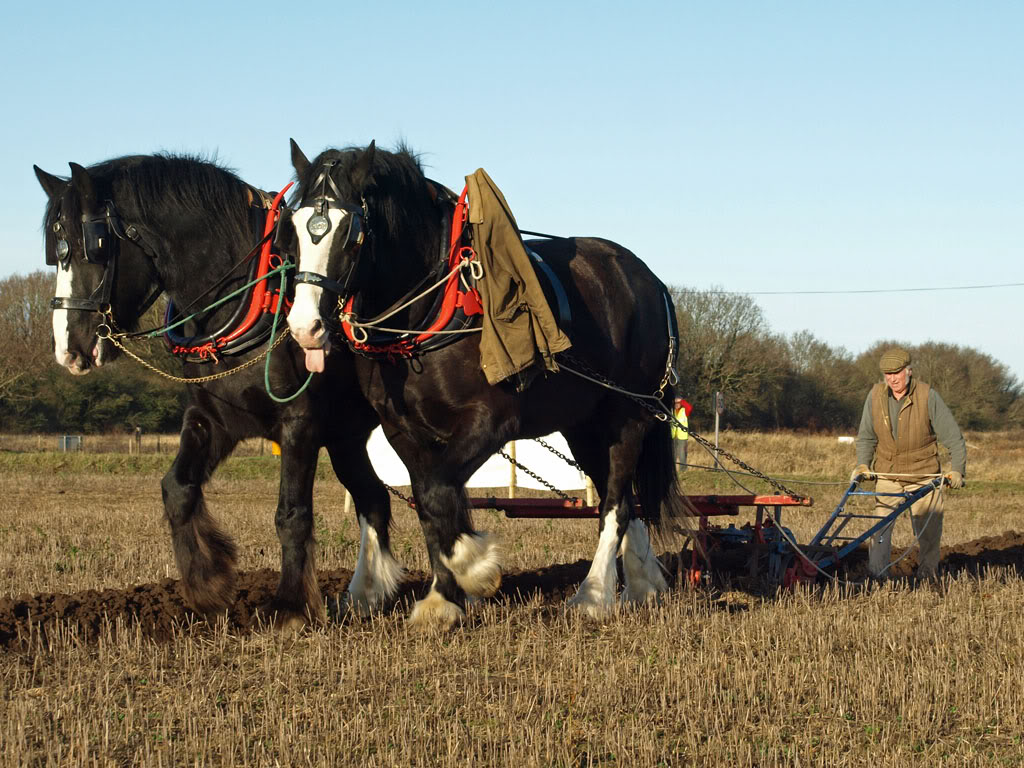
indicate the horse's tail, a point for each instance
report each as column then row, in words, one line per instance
column 661, row 498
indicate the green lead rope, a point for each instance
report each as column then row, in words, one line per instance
column 273, row 335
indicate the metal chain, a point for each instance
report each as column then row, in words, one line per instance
column 560, row 455
column 199, row 379
column 407, row 499
column 539, row 479
column 665, row 415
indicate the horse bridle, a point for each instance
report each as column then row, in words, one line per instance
column 101, row 236
column 355, row 222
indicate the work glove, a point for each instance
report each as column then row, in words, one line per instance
column 956, row 480
column 860, row 470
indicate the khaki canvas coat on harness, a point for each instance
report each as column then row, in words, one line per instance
column 519, row 328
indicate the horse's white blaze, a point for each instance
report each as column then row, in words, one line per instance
column 61, row 336
column 377, row 575
column 435, row 611
column 305, row 312
column 596, row 595
column 476, row 563
column 644, row 574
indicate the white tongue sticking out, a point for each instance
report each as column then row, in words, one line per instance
column 315, row 360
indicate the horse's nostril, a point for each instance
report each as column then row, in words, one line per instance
column 316, row 327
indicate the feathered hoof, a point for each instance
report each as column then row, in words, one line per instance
column 591, row 602
column 434, row 613
column 287, row 621
column 632, row 595
column 211, row 595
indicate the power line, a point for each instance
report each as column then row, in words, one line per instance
column 862, row 290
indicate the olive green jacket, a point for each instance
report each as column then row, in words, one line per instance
column 519, row 328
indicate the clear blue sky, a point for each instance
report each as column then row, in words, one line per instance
column 754, row 146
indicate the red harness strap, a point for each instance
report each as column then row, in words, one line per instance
column 263, row 299
column 455, row 296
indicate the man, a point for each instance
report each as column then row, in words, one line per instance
column 902, row 419
column 680, row 437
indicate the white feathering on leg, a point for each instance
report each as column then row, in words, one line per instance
column 377, row 576
column 596, row 595
column 644, row 573
column 476, row 563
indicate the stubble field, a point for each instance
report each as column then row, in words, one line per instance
column 102, row 664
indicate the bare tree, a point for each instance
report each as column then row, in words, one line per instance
column 25, row 327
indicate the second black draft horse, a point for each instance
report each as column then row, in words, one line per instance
column 123, row 231
column 438, row 410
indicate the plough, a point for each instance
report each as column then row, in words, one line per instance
column 770, row 550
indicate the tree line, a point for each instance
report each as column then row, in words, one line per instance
column 770, row 381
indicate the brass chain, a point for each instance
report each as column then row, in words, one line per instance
column 181, row 379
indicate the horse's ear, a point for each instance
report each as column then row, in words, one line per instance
column 299, row 160
column 52, row 185
column 82, row 182
column 362, row 169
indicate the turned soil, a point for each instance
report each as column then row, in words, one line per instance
column 159, row 608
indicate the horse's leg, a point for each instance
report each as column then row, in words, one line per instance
column 298, row 599
column 643, row 572
column 378, row 575
column 205, row 555
column 450, row 540
column 655, row 481
column 596, row 594
column 464, row 561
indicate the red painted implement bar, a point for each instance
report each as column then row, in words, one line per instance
column 707, row 506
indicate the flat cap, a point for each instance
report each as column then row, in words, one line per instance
column 894, row 360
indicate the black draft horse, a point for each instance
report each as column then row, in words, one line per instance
column 121, row 232
column 438, row 410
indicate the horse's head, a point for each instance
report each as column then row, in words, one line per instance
column 363, row 220
column 102, row 274
column 330, row 225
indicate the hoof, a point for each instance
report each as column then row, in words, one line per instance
column 287, row 621
column 475, row 563
column 592, row 602
column 211, row 596
column 434, row 612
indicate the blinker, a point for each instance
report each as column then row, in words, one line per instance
column 96, row 232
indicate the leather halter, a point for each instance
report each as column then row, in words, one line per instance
column 101, row 236
column 355, row 223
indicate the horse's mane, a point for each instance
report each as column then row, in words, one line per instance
column 396, row 190
column 167, row 187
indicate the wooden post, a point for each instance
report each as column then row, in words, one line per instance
column 512, row 470
column 590, row 492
